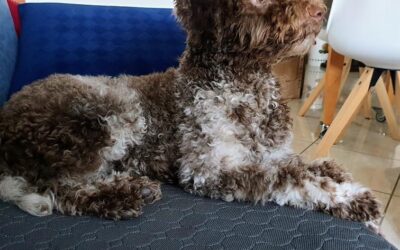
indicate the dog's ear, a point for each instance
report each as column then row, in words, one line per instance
column 257, row 6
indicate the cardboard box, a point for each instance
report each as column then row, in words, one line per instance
column 290, row 74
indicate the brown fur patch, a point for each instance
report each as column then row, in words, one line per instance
column 363, row 208
column 52, row 128
column 330, row 169
column 119, row 198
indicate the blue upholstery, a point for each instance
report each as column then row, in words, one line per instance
column 8, row 49
column 95, row 40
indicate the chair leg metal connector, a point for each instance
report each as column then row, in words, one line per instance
column 323, row 128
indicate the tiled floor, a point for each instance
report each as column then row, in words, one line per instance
column 368, row 153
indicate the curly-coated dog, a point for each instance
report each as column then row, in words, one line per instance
column 216, row 125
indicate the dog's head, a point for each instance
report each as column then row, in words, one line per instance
column 278, row 28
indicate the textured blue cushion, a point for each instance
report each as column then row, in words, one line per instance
column 8, row 49
column 95, row 40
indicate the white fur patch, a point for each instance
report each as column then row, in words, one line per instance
column 224, row 141
column 126, row 128
column 96, row 83
column 12, row 188
column 16, row 190
column 346, row 192
column 316, row 194
column 278, row 153
column 290, row 195
column 35, row 204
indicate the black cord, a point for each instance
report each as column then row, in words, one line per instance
column 312, row 144
column 324, row 129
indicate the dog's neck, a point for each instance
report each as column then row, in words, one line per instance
column 222, row 64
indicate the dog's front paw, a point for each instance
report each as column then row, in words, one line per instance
column 150, row 192
column 363, row 207
column 124, row 197
column 373, row 226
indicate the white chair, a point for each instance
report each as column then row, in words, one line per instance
column 367, row 31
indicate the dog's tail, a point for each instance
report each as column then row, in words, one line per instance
column 16, row 190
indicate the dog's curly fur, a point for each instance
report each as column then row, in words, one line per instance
column 216, row 125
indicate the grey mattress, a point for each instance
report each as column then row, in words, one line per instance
column 182, row 221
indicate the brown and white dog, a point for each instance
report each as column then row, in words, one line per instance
column 216, row 126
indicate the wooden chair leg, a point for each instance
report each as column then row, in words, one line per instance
column 311, row 99
column 389, row 86
column 333, row 61
column 332, row 85
column 344, row 78
column 345, row 72
column 386, row 104
column 367, row 103
column 397, row 93
column 367, row 107
column 347, row 111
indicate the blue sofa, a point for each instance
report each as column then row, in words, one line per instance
column 108, row 40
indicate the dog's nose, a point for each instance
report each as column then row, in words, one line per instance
column 316, row 12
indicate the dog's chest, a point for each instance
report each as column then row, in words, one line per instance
column 228, row 126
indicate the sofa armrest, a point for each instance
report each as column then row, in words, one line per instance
column 8, row 49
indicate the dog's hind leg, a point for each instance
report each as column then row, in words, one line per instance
column 71, row 127
column 18, row 191
column 118, row 197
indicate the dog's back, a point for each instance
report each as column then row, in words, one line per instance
column 68, row 130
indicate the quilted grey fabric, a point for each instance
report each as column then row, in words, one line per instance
column 182, row 221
